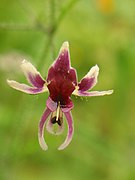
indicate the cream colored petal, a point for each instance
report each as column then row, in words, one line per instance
column 25, row 88
column 92, row 93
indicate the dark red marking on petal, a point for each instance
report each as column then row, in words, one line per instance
column 61, row 84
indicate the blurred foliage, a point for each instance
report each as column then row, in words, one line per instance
column 99, row 32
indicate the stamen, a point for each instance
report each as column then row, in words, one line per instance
column 58, row 112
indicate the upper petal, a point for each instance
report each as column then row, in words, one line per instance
column 89, row 80
column 25, row 88
column 61, row 77
column 63, row 59
column 32, row 75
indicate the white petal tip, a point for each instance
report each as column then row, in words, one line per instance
column 61, row 147
column 96, row 67
column 110, row 92
column 10, row 82
column 93, row 72
column 43, row 145
column 65, row 46
column 64, row 145
column 24, row 61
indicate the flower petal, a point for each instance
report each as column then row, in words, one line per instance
column 51, row 104
column 89, row 80
column 41, row 129
column 70, row 131
column 92, row 93
column 32, row 75
column 61, row 77
column 63, row 59
column 68, row 106
column 50, row 128
column 25, row 88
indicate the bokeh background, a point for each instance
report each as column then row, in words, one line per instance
column 99, row 32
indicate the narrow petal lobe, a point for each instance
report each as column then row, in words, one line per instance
column 92, row 93
column 41, row 129
column 70, row 131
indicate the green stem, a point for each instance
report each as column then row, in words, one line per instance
column 44, row 54
column 50, row 33
column 65, row 11
column 52, row 25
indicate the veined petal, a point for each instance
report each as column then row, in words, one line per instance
column 41, row 129
column 70, row 131
column 50, row 128
column 92, row 93
column 89, row 80
column 25, row 88
column 32, row 75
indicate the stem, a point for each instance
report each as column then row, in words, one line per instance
column 64, row 11
column 44, row 54
column 32, row 15
column 51, row 32
column 52, row 25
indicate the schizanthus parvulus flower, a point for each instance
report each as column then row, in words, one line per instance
column 61, row 82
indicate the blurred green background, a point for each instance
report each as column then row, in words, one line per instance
column 99, row 32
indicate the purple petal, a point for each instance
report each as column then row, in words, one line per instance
column 32, row 75
column 92, row 93
column 61, row 77
column 51, row 104
column 50, row 128
column 70, row 131
column 63, row 59
column 89, row 80
column 41, row 129
column 67, row 107
column 25, row 88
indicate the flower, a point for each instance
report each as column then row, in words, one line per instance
column 61, row 83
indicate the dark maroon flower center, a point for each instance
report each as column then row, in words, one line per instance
column 60, row 85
